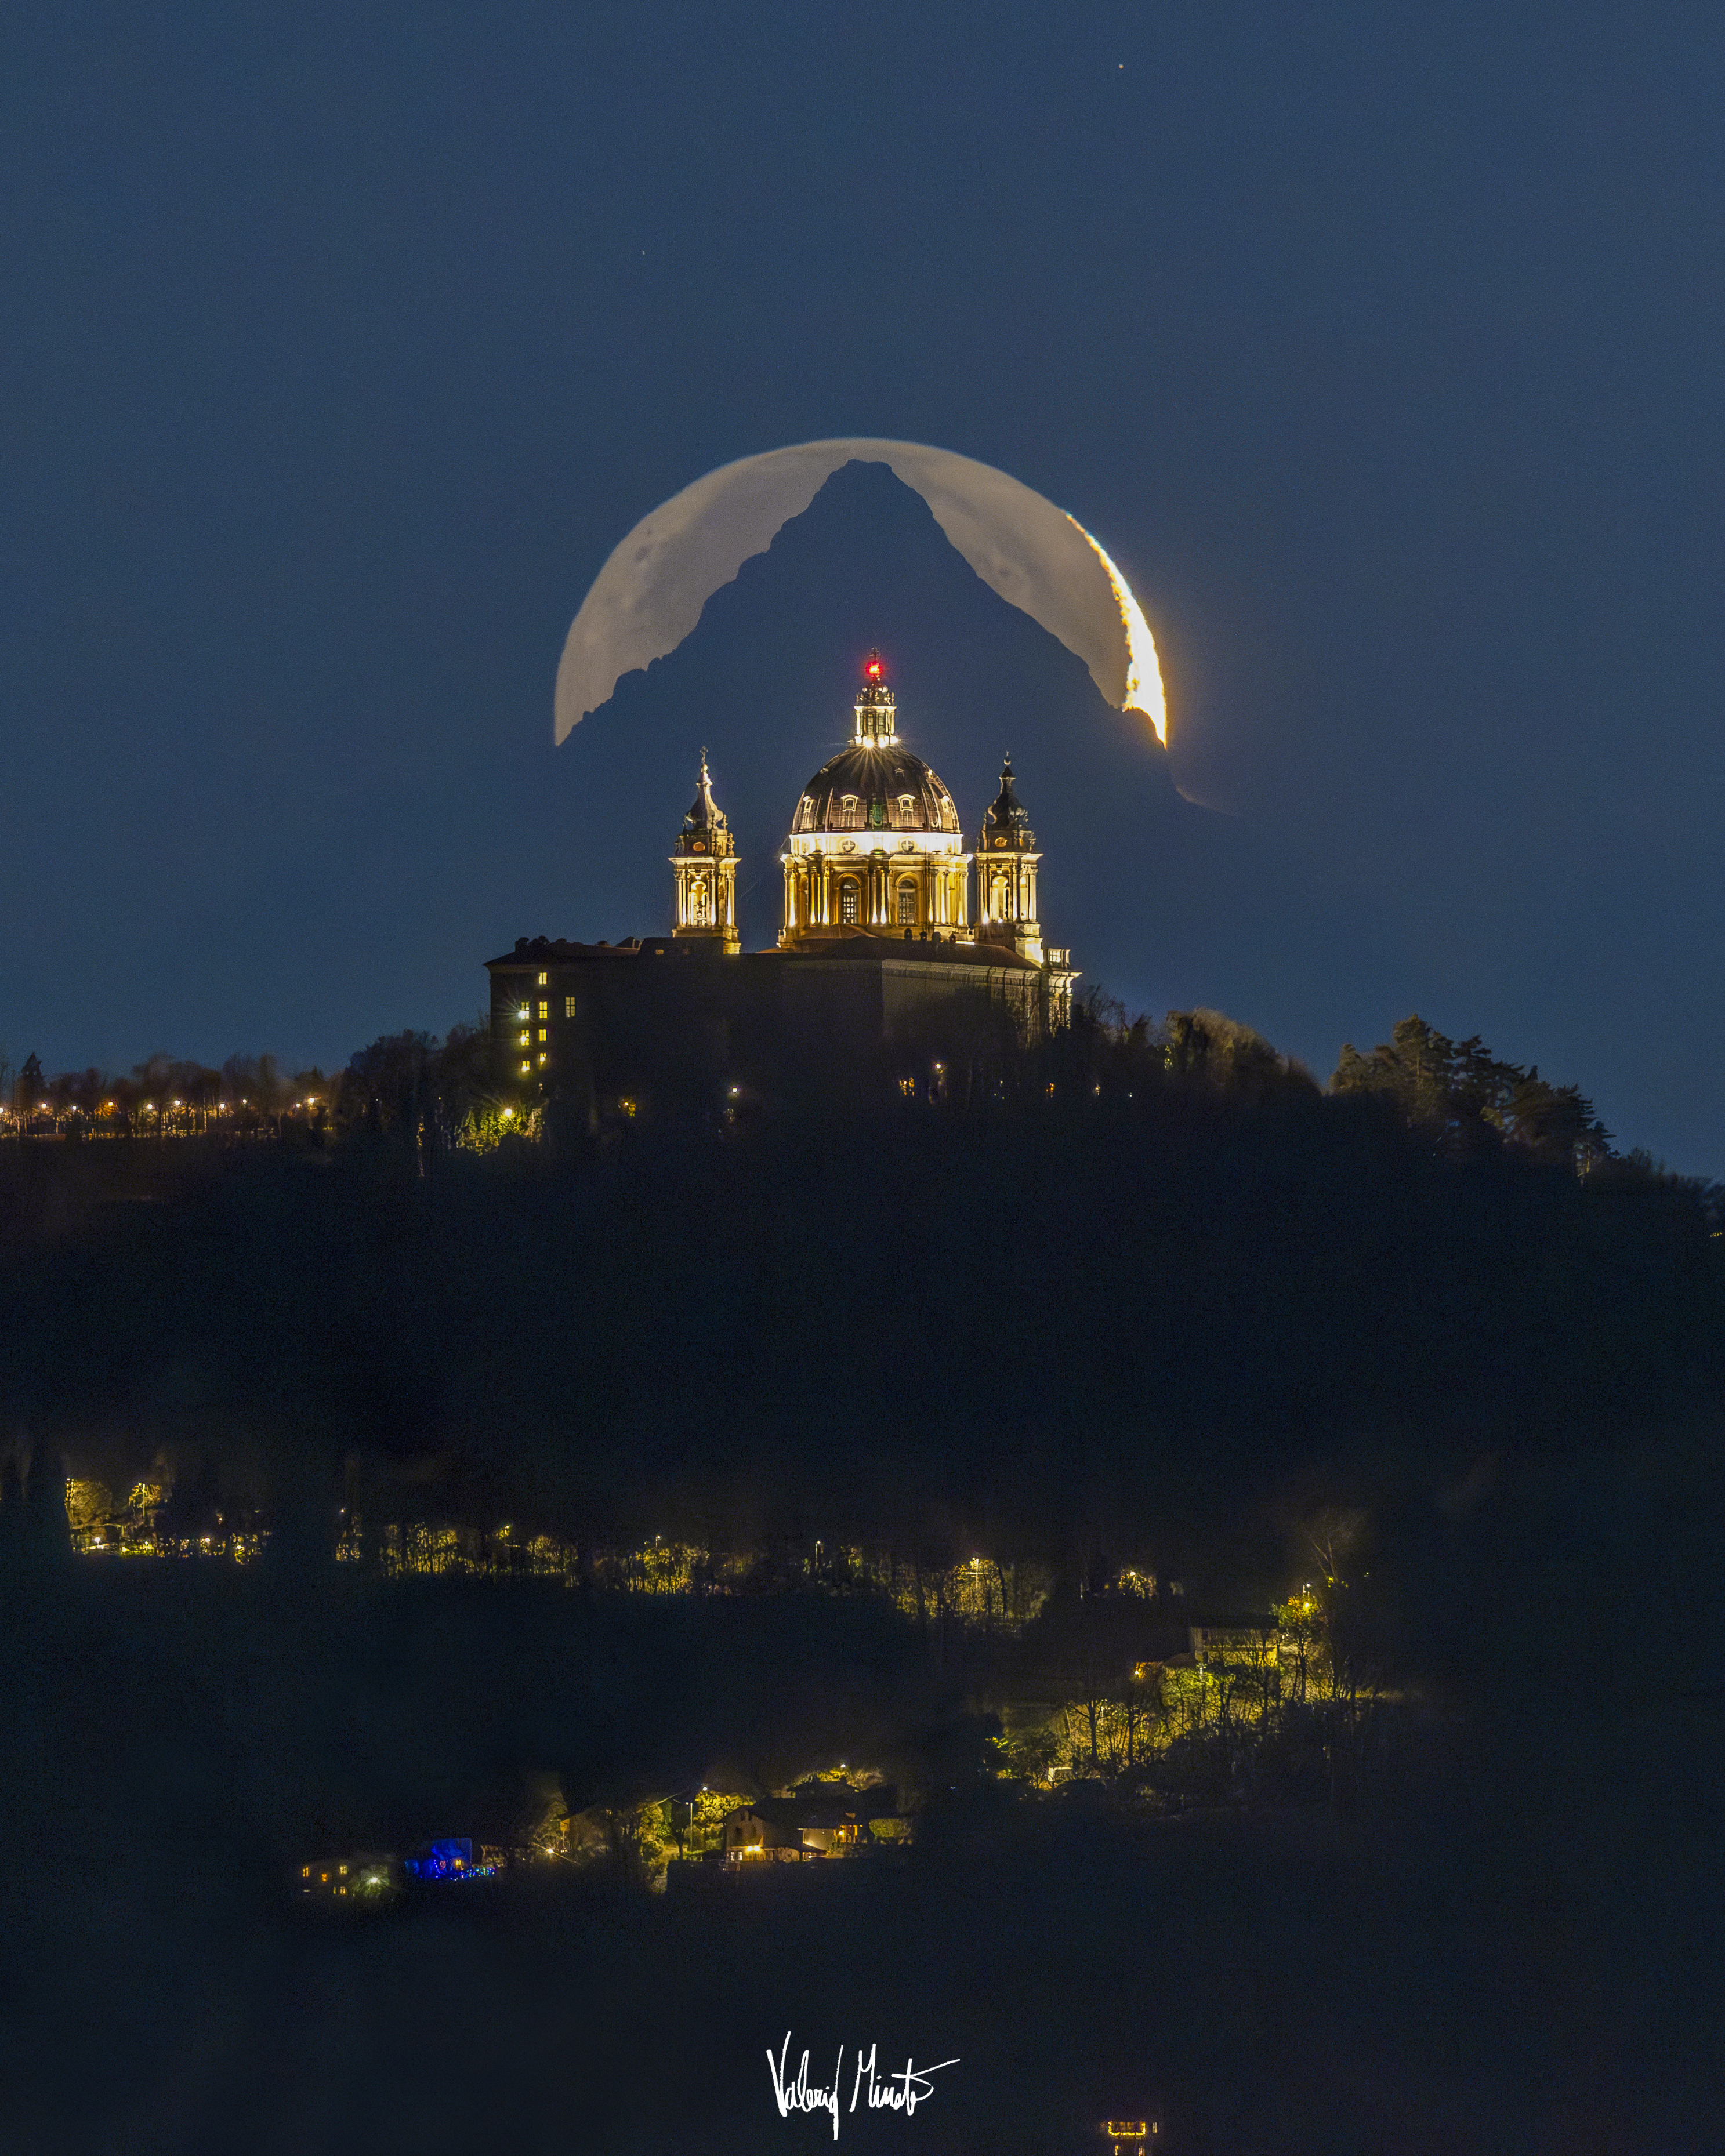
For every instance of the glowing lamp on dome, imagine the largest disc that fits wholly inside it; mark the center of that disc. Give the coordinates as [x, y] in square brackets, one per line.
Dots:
[873, 670]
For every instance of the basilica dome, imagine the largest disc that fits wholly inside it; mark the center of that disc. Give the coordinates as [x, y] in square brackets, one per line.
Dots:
[875, 846]
[873, 785]
[874, 789]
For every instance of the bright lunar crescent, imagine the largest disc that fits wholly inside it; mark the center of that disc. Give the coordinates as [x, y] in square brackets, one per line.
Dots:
[650, 592]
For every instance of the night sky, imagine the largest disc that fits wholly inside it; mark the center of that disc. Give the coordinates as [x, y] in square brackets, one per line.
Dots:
[1381, 347]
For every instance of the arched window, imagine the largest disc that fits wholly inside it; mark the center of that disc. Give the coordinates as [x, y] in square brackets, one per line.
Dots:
[849, 901]
[847, 812]
[698, 906]
[997, 898]
[907, 905]
[907, 805]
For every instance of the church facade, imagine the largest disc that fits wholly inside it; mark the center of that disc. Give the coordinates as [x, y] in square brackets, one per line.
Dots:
[901, 951]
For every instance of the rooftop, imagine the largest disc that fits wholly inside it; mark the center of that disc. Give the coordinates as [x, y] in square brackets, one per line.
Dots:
[851, 945]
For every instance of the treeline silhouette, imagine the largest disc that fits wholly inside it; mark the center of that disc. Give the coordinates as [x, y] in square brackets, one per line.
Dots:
[1062, 1299]
[253, 1095]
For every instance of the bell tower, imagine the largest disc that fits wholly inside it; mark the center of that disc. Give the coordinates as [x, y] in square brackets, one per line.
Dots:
[704, 863]
[1006, 874]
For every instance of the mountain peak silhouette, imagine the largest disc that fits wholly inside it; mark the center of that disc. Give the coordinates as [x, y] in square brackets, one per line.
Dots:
[767, 680]
[1166, 904]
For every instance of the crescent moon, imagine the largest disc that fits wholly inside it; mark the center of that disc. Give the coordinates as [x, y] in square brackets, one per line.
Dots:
[650, 592]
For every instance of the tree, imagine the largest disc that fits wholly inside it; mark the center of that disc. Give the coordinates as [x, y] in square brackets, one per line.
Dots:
[1207, 1047]
[1464, 1099]
[27, 1092]
[384, 1085]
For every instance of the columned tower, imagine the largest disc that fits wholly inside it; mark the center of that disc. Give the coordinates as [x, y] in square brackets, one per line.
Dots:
[1006, 874]
[705, 865]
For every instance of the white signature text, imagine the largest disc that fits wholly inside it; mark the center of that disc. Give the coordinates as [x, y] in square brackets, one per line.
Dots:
[901, 2091]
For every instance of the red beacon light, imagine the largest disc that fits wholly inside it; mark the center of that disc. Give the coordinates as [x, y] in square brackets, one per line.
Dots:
[873, 670]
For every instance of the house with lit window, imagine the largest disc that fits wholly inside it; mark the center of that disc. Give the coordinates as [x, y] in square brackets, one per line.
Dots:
[454, 1860]
[902, 950]
[819, 1821]
[361, 1876]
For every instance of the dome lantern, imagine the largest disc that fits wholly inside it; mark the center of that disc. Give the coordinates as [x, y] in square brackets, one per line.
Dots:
[876, 708]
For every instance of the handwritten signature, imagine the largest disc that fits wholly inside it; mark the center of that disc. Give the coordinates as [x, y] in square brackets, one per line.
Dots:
[901, 2091]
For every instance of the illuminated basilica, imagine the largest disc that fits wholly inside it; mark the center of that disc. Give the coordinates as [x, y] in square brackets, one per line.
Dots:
[879, 959]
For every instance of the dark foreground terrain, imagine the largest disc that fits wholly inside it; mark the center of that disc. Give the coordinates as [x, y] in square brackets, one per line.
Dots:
[1176, 1334]
[1512, 1950]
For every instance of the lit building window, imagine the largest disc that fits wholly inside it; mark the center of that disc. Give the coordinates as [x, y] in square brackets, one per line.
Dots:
[542, 1055]
[568, 1006]
[848, 901]
[526, 1068]
[522, 1041]
[541, 1033]
[544, 1008]
[906, 905]
[543, 978]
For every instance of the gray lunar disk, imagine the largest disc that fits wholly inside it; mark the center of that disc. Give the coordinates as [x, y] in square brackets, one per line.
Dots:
[650, 592]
